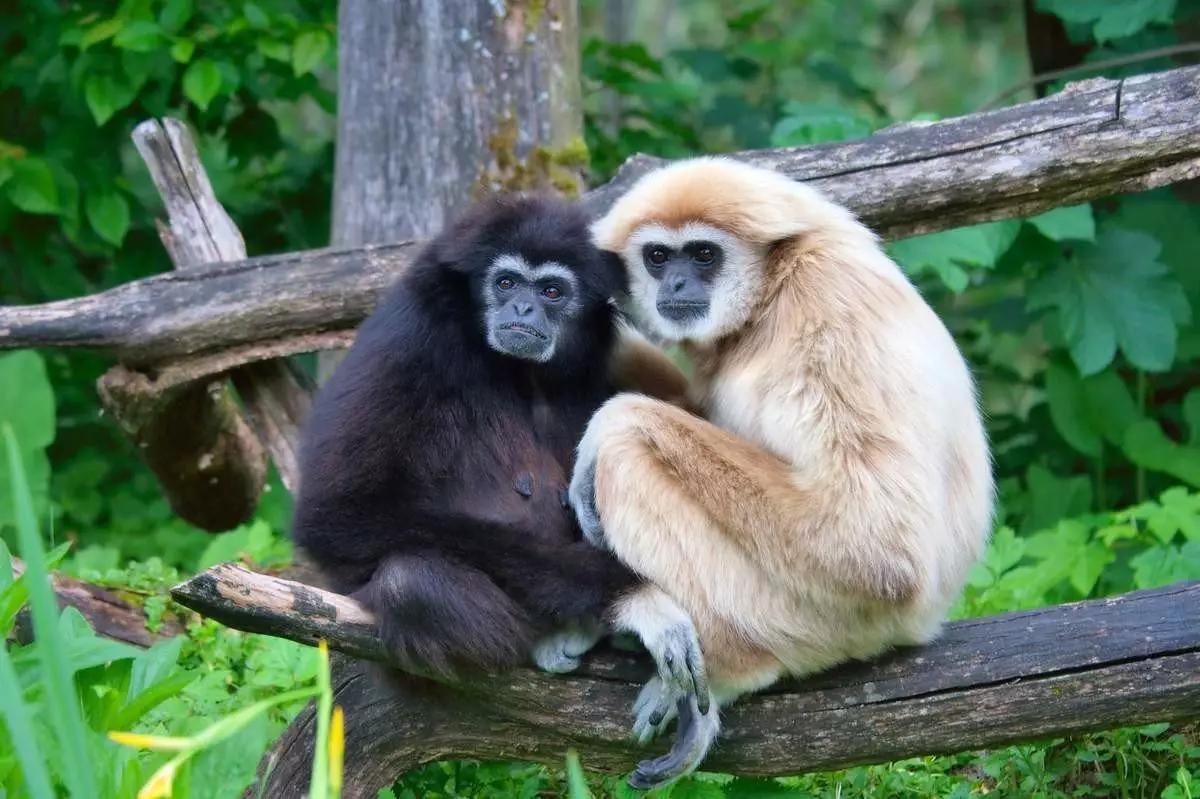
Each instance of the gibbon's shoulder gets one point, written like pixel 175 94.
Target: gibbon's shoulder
pixel 752 203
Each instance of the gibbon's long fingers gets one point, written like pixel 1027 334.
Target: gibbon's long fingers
pixel 670 637
pixel 654 710
pixel 695 737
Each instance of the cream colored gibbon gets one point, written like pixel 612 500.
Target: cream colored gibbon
pixel 831 501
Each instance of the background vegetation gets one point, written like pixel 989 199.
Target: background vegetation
pixel 1081 324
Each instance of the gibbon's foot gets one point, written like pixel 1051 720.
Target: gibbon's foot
pixel 582 496
pixel 654 709
pixel 695 737
pixel 562 651
pixel 676 651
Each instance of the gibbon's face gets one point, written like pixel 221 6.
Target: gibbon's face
pixel 529 307
pixel 693 282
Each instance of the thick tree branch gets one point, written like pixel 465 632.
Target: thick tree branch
pixel 1094 139
pixel 1130 659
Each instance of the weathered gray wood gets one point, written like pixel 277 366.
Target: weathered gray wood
pixel 1123 660
pixel 1095 139
pixel 210 463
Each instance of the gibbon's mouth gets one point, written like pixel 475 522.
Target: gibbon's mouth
pixel 682 310
pixel 517 327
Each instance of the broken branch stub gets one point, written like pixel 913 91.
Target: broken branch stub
pixel 189 429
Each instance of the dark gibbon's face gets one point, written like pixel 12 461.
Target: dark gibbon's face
pixel 529 307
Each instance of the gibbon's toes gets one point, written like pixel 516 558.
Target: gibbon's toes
pixel 654 710
pixel 697 731
pixel 681 663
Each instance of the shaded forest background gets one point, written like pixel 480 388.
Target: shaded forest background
pixel 1081 323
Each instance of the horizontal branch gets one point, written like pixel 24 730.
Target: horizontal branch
pixel 1095 138
pixel 1094 665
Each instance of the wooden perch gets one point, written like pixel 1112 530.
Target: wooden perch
pixel 1094 139
pixel 1126 660
pixel 188 428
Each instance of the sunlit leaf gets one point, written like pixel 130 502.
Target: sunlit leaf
pixel 108 213
pixel 32 188
pixel 1066 223
pixel 201 82
pixel 308 50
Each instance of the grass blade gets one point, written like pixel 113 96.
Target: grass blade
pixel 20 730
pixel 58 679
pixel 319 783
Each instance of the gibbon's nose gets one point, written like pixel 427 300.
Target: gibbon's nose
pixel 677 283
pixel 523 308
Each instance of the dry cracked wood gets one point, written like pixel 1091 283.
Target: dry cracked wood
pixel 1125 660
pixel 189 429
pixel 1093 139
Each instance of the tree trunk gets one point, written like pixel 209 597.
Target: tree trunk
pixel 442 100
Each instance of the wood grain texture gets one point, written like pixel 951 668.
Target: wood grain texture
pixel 210 463
pixel 1124 660
pixel 1094 139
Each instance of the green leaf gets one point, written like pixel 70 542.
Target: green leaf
pixel 1064 224
pixel 26 403
pixel 1148 446
pixel 692 788
pixel 1112 19
pixel 108 213
pixel 1109 405
pixel 175 15
pixel 1052 498
pixel 99 32
pixel 1166 565
pixel 182 50
pixel 1115 294
pixel 32 188
pixel 758 788
pixel 1191 415
pixel 275 50
pixel 105 96
pixel 310 47
pixel 1089 564
pixel 946 252
pixel 201 82
pixel 18 720
pixel 256 17
pixel 141 36
pixel 1179 513
pixel 1068 410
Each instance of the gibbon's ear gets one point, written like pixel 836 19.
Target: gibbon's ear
pixel 615 279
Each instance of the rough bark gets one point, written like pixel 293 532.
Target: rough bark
pixel 1130 659
pixel 1097 138
pixel 441 100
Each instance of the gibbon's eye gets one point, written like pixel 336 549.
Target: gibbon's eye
pixel 505 283
pixel 658 256
pixel 704 255
pixel 552 292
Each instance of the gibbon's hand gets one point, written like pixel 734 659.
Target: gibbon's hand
pixel 676 652
pixel 561 652
pixel 582 496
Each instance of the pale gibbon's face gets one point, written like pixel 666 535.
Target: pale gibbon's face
pixel 695 281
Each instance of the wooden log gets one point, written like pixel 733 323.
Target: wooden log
pixel 1094 139
pixel 188 427
pixel 1087 666
pixel 110 615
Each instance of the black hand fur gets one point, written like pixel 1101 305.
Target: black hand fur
pixel 409 460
